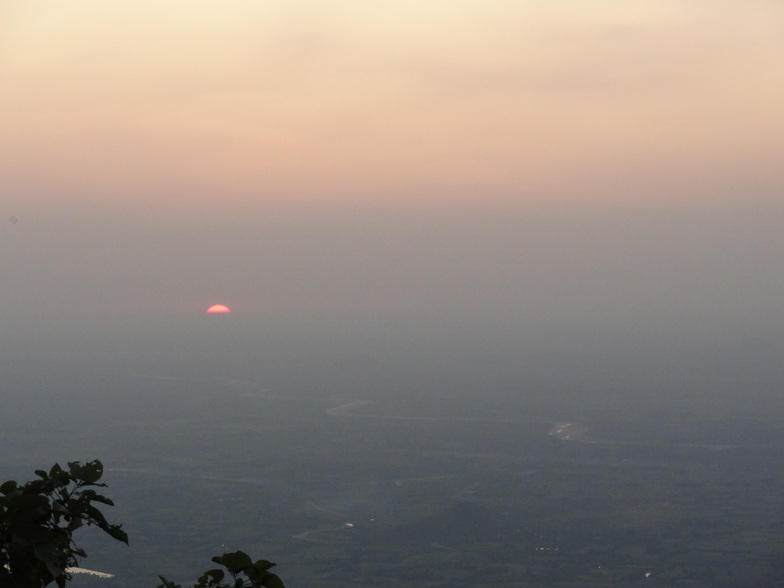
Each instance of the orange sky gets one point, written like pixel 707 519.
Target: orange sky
pixel 181 102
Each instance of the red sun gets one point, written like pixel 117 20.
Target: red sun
pixel 218 309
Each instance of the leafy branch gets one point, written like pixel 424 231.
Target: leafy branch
pixel 38 519
pixel 244 573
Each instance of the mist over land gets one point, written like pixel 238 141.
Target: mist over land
pixel 355 454
pixel 476 399
pixel 461 396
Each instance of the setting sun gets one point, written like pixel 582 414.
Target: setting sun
pixel 218 309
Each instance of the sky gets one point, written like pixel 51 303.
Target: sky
pixel 488 161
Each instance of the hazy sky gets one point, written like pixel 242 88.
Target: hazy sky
pixel 487 159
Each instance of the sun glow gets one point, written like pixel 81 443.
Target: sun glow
pixel 218 309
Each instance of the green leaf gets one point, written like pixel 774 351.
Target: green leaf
pixel 263 564
pixel 235 561
pixel 94 516
pixel 116 532
pixel 30 533
pixel 272 581
pixel 102 500
pixel 8 487
pixel 88 473
pixel 258 571
pixel 46 553
pixel 210 578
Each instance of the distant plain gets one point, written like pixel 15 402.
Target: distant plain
pixel 454 458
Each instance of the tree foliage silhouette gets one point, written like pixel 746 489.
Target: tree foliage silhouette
pixel 244 573
pixel 38 520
